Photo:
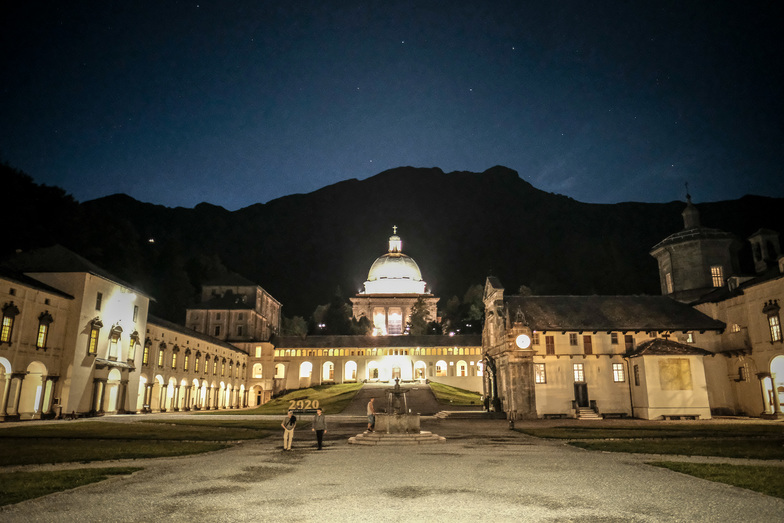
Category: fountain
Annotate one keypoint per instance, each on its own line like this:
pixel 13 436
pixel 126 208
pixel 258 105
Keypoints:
pixel 397 419
pixel 397 426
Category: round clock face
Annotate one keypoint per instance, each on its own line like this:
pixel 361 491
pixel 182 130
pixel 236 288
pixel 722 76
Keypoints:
pixel 523 341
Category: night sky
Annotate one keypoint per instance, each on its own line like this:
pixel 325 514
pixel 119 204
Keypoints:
pixel 236 103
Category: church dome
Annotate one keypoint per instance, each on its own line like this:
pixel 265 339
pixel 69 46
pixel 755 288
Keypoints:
pixel 394 272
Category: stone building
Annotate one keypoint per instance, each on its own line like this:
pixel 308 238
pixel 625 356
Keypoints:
pixel 71 337
pixel 583 356
pixel 393 286
pixel 711 345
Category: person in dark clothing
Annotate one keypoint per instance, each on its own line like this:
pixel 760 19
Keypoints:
pixel 319 426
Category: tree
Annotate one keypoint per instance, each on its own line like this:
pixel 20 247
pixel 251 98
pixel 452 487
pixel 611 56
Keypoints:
pixel 296 326
pixel 420 317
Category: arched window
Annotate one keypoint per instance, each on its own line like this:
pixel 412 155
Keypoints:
pixel 132 346
pixel 44 320
pixel 351 370
pixel 257 370
pixel 280 371
pixel 186 359
pixel 161 352
pixel 175 351
pixel 306 369
pixel 215 366
pixel 441 368
pixel 328 371
pixel 771 309
pixel 10 311
pixel 196 363
pixel 462 368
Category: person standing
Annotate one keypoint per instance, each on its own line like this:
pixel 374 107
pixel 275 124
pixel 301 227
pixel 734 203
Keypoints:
pixel 319 426
pixel 288 429
pixel 371 414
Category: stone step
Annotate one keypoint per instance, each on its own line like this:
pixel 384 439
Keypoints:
pixel 379 438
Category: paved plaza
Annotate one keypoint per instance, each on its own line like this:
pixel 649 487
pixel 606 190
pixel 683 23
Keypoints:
pixel 484 472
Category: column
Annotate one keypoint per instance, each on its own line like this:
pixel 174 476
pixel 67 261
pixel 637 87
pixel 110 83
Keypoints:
pixel 38 409
pixel 147 403
pixel 18 392
pixel 122 397
pixel 176 398
pixel 207 397
pixel 776 402
pixel 162 402
pixel 6 391
pixel 49 410
pixel 103 395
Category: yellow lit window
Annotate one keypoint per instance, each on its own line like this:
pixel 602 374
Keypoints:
pixel 40 340
pixel 717 275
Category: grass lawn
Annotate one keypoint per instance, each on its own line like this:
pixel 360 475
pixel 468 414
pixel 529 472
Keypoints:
pixel 755 448
pixel 631 431
pixel 448 395
pixel 767 480
pixel 19 486
pixel 331 398
pixel 86 441
pixel 731 440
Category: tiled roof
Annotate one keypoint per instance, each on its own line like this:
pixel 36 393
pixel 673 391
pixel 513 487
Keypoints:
pixel 665 347
pixel 329 342
pixel 23 279
pixel 60 259
pixel 231 279
pixel 695 233
pixel 608 313
pixel 160 322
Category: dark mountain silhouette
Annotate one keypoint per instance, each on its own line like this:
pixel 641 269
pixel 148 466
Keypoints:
pixel 458 226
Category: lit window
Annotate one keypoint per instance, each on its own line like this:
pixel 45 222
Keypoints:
pixel 689 337
pixel 92 344
pixel 98 300
pixel 579 373
pixel 258 351
pixel 146 354
pixel 717 275
pixel 775 327
pixel 549 342
pixel 223 368
pixel 257 370
pixel 9 315
pixel 160 355
pixel 44 320
pixel 196 364
pixel 618 375
pixel 734 327
pixel 215 366
pixel 185 361
pixel 587 344
pixel 771 309
pixel 539 373
pixel 668 282
pixel 114 342
pixel 462 368
pixel 174 360
pixel 573 339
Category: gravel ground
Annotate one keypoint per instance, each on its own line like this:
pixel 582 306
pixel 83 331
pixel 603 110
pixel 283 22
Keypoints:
pixel 483 472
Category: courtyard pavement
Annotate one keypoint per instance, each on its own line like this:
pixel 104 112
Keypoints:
pixel 484 472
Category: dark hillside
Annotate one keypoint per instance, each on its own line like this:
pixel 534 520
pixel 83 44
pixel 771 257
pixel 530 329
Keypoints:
pixel 458 226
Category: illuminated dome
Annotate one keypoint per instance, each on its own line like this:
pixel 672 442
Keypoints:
pixel 394 272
